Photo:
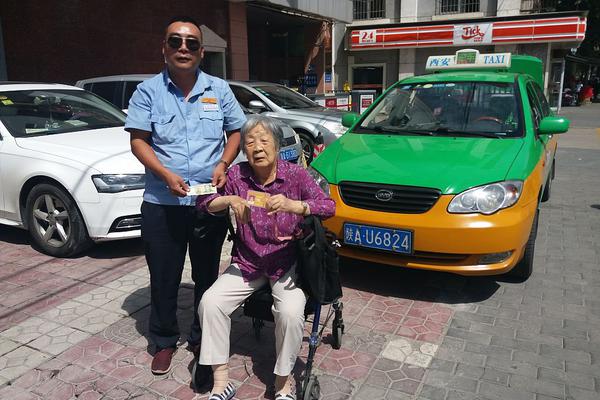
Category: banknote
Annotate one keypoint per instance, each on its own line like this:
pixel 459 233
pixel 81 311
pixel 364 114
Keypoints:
pixel 202 189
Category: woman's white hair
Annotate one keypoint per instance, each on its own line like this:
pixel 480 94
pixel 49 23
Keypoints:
pixel 271 125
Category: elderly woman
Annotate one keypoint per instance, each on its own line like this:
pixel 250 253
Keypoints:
pixel 269 198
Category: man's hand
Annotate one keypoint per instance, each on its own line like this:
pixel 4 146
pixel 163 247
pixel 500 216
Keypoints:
pixel 176 184
pixel 218 177
pixel 240 208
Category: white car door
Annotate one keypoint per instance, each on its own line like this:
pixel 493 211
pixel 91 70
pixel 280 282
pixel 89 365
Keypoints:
pixel 2 138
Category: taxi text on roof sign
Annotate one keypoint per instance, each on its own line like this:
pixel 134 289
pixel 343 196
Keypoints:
pixel 468 58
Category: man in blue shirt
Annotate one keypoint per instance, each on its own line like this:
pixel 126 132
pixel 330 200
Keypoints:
pixel 177 121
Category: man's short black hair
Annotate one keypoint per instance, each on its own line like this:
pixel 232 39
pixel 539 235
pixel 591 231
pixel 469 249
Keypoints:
pixel 185 19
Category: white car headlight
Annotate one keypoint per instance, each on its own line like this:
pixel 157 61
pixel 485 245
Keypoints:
pixel 487 199
pixel 114 183
pixel 335 127
pixel 321 181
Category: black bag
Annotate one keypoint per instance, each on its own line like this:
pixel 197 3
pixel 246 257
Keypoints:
pixel 207 224
pixel 318 265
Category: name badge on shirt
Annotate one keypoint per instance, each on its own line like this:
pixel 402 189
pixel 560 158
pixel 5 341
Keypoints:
pixel 210 107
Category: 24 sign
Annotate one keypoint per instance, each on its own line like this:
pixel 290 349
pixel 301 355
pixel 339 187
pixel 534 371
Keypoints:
pixel 367 36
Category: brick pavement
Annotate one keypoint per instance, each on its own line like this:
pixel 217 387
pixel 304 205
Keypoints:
pixel 75 328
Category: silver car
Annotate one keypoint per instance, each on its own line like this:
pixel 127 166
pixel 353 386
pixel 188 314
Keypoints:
pixel 314 124
pixel 118 89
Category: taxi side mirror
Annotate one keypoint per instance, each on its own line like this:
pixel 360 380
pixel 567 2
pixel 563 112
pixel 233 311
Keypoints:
pixel 553 125
pixel 349 119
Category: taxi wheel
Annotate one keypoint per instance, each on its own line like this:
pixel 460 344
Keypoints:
pixel 524 268
pixel 54 222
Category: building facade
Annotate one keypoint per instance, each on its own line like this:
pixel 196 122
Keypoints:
pixel 391 39
pixel 65 41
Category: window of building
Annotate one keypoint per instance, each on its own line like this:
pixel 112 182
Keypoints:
pixel 368 9
pixel 538 6
pixel 456 6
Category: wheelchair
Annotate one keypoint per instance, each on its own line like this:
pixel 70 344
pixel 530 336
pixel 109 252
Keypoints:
pixel 258 307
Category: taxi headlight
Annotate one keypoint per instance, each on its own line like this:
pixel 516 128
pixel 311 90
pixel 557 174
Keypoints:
pixel 114 183
pixel 487 199
pixel 321 181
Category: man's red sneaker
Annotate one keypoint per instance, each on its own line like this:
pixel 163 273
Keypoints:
pixel 161 363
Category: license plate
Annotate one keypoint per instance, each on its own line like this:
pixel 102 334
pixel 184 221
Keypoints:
pixel 288 154
pixel 394 240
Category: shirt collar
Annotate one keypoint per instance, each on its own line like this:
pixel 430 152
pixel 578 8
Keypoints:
pixel 283 170
pixel 202 82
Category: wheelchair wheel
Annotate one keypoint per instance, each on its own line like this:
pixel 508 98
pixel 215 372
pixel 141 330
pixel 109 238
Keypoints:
pixel 312 391
pixel 337 332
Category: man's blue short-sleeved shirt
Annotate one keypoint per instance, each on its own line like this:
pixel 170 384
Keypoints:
pixel 187 136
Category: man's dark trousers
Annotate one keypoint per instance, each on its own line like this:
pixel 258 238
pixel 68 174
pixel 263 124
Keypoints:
pixel 167 231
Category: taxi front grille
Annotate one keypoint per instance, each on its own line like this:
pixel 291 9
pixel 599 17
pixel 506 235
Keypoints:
pixel 388 198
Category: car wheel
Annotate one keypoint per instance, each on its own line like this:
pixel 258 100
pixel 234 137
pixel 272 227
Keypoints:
pixel 55 224
pixel 524 268
pixel 308 145
pixel 548 187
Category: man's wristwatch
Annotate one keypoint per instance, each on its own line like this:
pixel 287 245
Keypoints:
pixel 224 162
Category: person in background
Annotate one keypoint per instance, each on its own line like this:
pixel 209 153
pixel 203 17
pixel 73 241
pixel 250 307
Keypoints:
pixel 269 198
pixel 176 122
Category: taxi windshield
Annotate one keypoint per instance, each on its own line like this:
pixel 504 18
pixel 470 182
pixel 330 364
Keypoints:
pixel 484 109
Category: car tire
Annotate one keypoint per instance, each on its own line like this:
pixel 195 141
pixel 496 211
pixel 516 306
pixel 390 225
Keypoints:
pixel 54 221
pixel 308 145
pixel 548 186
pixel 524 268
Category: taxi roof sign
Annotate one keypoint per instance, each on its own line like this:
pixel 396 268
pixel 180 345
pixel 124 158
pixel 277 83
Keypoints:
pixel 468 58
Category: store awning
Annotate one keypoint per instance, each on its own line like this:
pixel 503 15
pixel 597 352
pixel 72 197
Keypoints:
pixel 211 41
pixel 582 60
pixel 533 28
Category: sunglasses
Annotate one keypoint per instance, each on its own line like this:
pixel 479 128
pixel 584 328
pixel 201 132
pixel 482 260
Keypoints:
pixel 175 43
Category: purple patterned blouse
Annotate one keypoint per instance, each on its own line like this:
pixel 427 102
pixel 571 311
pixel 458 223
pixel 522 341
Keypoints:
pixel 256 247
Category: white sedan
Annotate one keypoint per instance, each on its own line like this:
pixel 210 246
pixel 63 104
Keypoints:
pixel 66 170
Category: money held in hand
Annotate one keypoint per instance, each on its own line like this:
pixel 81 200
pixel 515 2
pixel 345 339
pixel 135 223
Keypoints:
pixel 202 189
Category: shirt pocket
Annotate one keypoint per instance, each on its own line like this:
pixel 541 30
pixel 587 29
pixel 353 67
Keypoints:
pixel 163 126
pixel 211 125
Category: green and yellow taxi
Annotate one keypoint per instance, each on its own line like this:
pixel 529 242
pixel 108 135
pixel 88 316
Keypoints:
pixel 446 171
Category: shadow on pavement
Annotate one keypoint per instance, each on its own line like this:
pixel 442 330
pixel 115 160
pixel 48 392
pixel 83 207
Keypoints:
pixel 116 249
pixel 103 250
pixel 10 234
pixel 415 284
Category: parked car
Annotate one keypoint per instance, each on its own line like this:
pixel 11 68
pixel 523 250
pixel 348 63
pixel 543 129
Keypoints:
pixel 66 170
pixel 446 171
pixel 314 123
pixel 118 89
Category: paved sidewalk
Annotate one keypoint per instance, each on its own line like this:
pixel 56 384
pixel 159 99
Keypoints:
pixel 76 328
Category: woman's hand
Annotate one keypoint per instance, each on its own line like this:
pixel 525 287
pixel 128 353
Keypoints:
pixel 280 203
pixel 240 207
